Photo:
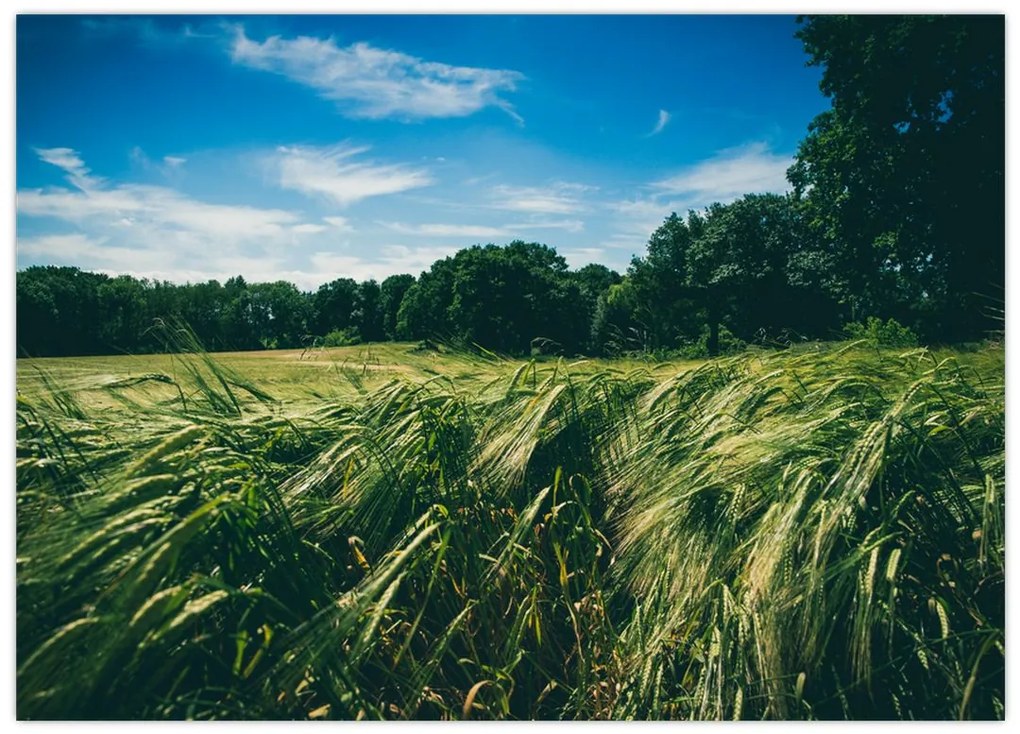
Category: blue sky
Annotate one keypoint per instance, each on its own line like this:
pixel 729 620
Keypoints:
pixel 313 147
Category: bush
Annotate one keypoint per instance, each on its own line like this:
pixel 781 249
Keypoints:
pixel 889 334
pixel 342 337
pixel 728 344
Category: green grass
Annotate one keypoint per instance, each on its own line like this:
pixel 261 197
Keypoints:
pixel 373 532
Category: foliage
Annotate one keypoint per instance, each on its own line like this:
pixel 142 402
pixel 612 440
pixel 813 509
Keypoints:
pixel 342 337
pixel 746 266
pixel 903 178
pixel 889 333
pixel 501 298
pixel 391 295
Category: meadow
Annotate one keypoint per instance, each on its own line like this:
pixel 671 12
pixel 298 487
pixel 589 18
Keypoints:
pixel 392 532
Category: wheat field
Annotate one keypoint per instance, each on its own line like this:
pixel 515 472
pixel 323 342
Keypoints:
pixel 396 533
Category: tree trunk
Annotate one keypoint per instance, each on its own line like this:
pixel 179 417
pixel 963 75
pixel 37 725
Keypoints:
pixel 713 327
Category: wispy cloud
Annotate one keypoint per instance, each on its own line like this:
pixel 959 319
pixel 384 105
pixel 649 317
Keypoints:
pixel 333 173
pixel 308 228
pixel 731 173
pixel 724 177
pixel 341 223
pixel 446 230
pixel 148 229
pixel 556 198
pixel 664 118
pixel 132 205
pixel 78 174
pixel 581 256
pixel 371 82
pixel 391 260
pixel 567 225
pixel 169 164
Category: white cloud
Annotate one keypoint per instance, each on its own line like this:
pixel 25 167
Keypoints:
pixel 392 260
pixel 78 174
pixel 556 198
pixel 663 120
pixel 144 229
pixel 749 169
pixel 332 173
pixel 446 230
pixel 567 225
pixel 308 228
pixel 376 83
pixel 724 177
pixel 169 165
pixel 158 207
pixel 75 248
pixel 341 223
pixel 581 256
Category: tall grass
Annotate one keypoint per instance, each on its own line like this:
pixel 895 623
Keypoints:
pixel 765 536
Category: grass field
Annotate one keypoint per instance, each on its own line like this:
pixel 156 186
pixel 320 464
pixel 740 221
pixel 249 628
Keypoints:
pixel 382 532
pixel 295 378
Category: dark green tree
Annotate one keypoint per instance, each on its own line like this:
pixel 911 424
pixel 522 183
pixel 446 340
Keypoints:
pixel 334 304
pixel 754 270
pixel 594 281
pixel 367 315
pixel 903 179
pixel 666 304
pixel 391 295
pixel 503 298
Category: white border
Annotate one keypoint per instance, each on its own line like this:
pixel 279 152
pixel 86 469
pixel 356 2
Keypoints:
pixel 217 7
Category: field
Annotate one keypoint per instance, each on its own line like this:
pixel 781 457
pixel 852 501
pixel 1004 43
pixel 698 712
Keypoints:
pixel 388 532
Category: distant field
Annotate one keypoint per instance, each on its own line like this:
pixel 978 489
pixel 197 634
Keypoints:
pixel 294 377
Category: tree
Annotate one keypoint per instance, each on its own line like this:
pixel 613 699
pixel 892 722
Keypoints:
pixel 122 319
pixel 666 303
pixel 903 178
pixel 282 313
pixel 391 295
pixel 613 327
pixel 367 315
pixel 754 269
pixel 503 298
pixel 333 306
pixel 58 311
pixel 594 281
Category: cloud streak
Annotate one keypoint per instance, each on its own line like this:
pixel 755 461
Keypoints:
pixel 556 198
pixel 446 230
pixel 333 173
pixel 149 230
pixel 664 118
pixel 375 83
pixel 722 178
pixel 731 173
pixel 68 160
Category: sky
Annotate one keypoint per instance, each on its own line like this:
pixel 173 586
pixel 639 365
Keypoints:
pixel 307 148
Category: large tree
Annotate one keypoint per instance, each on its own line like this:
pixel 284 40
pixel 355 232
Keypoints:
pixel 391 295
pixel 501 297
pixel 665 302
pixel 904 177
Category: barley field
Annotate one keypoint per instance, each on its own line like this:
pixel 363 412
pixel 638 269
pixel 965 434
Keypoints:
pixel 392 532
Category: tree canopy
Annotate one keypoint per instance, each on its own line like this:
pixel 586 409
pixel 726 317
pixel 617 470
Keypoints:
pixel 903 179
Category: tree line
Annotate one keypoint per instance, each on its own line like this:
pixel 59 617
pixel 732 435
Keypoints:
pixel 896 211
